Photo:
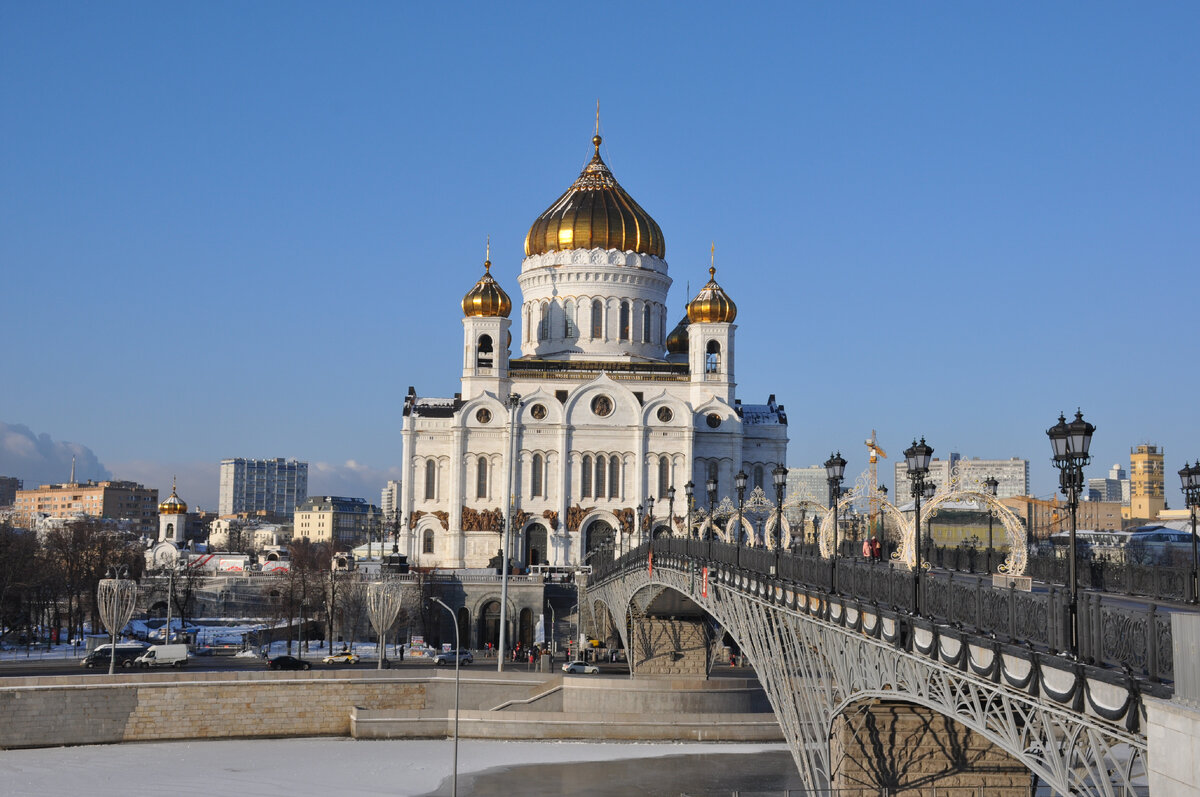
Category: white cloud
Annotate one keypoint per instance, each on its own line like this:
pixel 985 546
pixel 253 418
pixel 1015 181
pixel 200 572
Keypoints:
pixel 351 479
pixel 38 459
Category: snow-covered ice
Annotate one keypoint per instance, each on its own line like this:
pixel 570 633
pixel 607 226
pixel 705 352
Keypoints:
pixel 299 767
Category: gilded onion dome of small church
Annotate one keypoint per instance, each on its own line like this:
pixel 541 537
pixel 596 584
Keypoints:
pixel 595 213
pixel 712 305
pixel 487 298
pixel 174 505
pixel 677 341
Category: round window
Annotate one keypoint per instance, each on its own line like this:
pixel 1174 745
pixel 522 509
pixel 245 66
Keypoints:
pixel 665 415
pixel 602 406
pixel 484 416
pixel 713 420
pixel 538 411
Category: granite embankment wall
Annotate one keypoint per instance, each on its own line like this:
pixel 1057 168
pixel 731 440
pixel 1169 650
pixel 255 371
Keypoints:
pixel 98 709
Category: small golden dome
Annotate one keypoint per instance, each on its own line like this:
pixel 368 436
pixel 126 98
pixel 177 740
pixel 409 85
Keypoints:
pixel 173 505
pixel 712 305
pixel 487 298
pixel 677 341
pixel 595 213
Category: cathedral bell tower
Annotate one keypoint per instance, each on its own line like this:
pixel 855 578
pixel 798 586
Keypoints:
pixel 710 339
pixel 486 336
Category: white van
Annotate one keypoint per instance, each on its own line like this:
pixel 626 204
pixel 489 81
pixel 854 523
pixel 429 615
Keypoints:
pixel 163 656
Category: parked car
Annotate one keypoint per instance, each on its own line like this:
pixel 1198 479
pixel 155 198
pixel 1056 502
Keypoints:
pixel 288 663
pixel 580 667
pixel 342 657
pixel 464 657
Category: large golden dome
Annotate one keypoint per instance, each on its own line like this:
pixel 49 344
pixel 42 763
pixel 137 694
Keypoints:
pixel 487 298
pixel 712 305
pixel 595 213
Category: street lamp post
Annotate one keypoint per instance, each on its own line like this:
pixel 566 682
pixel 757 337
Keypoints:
pixel 711 487
pixel 992 484
pixel 689 491
pixel 115 598
pixel 650 518
pixel 835 470
pixel 916 460
pixel 1070 443
pixel 457 660
pixel 739 483
pixel 514 404
pixel 1191 492
pixel 883 491
pixel 671 510
pixel 779 475
pixel 641 517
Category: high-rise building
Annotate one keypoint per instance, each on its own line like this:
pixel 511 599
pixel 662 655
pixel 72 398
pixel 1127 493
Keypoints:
pixel 275 486
pixel 1111 489
pixel 343 521
pixel 8 489
pixel 118 500
pixel 1012 474
pixel 1147 494
pixel 389 499
pixel 808 484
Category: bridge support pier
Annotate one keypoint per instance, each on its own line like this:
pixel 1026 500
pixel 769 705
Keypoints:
pixel 663 646
pixel 907 749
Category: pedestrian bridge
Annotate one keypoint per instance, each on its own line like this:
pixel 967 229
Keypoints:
pixel 857 676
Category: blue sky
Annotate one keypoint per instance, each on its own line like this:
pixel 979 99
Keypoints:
pixel 243 229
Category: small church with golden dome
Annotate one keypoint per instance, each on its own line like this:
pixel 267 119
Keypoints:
pixel 603 411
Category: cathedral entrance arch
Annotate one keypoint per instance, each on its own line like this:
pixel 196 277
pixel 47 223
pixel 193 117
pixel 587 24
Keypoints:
pixel 599 535
pixel 489 624
pixel 537 552
pixel 525 629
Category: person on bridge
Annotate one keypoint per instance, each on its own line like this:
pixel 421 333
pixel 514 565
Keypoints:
pixel 876 548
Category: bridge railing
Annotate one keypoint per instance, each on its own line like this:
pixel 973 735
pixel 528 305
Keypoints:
pixel 1113 632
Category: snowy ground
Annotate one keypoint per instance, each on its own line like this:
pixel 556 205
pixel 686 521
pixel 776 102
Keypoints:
pixel 299 767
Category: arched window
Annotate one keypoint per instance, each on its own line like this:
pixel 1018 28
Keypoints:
pixel 585 477
pixel 715 477
pixel 597 319
pixel 481 477
pixel 430 480
pixel 171 530
pixel 528 328
pixel 624 321
pixel 712 358
pixel 427 541
pixel 600 468
pixel 664 476
pixel 535 476
pixel 483 352
pixel 662 326
pixel 646 324
pixel 614 476
pixel 569 328
pixel 758 476
pixel 543 321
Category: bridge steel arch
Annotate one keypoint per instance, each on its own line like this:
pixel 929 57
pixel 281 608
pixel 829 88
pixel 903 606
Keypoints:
pixel 816 655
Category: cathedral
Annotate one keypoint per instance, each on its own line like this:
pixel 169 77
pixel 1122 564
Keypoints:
pixel 605 421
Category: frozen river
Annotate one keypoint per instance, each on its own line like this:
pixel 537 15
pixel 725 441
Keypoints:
pixel 302 767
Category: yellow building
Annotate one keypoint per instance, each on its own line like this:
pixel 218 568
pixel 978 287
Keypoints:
pixel 1147 494
pixel 107 499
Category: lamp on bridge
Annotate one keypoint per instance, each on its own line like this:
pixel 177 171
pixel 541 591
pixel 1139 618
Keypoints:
pixel 711 487
pixel 1070 443
pixel 1190 477
pixel 992 485
pixel 689 490
pixel 650 518
pixel 739 483
pixel 835 470
pixel 916 460
pixel 779 476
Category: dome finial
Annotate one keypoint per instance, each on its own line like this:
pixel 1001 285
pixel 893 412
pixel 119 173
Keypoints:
pixel 487 258
pixel 712 261
pixel 596 136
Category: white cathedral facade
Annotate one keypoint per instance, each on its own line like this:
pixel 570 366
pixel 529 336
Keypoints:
pixel 603 412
